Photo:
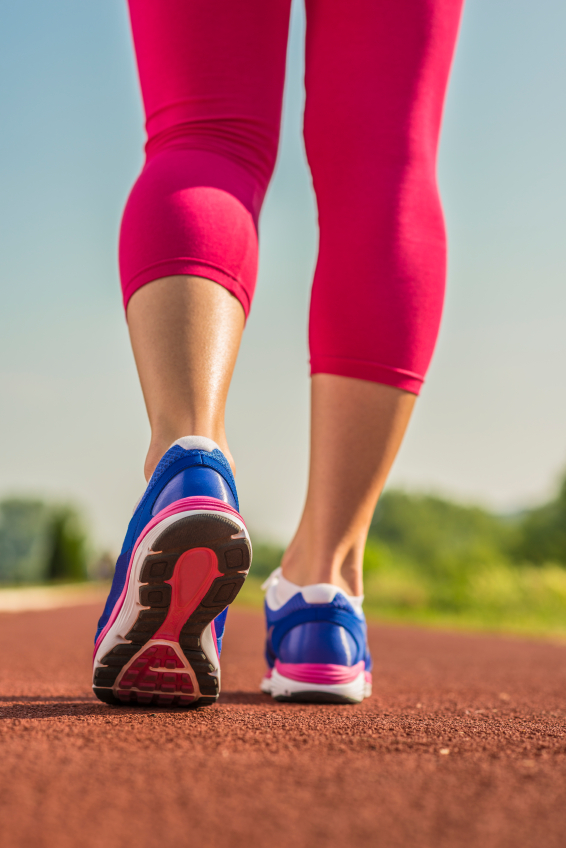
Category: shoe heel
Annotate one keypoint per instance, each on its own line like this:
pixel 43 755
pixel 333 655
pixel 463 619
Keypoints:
pixel 161 648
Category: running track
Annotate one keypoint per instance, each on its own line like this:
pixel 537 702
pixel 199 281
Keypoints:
pixel 248 772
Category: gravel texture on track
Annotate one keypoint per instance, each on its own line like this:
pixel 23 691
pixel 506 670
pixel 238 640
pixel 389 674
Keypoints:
pixel 463 744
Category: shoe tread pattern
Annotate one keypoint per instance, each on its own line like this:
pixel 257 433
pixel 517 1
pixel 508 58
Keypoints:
pixel 199 531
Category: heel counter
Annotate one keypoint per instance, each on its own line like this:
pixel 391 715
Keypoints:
pixel 196 480
pixel 319 642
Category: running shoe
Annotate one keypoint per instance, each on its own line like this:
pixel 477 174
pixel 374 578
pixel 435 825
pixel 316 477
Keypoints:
pixel 316 647
pixel 185 557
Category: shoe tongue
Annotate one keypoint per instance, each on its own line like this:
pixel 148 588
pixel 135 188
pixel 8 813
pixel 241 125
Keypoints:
pixel 196 443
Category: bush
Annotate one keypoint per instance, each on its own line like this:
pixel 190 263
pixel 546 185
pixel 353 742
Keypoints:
pixel 67 546
pixel 266 558
pixel 431 559
pixel 441 536
pixel 499 595
pixel 542 532
pixel 40 542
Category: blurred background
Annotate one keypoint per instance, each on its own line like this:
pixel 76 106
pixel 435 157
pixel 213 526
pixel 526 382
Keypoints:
pixel 473 526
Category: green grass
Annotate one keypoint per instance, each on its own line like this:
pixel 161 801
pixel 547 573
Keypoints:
pixel 496 596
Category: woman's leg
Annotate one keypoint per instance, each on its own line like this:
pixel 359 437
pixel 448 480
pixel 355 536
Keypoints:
pixel 212 82
pixel 356 430
pixel 185 334
pixel 376 76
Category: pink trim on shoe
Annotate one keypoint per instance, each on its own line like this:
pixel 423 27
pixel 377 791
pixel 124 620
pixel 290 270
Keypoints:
pixel 184 505
pixel 320 673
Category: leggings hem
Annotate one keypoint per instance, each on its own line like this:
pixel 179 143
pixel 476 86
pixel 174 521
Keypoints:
pixel 187 267
pixel 374 372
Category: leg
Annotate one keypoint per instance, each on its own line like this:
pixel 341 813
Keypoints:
pixel 371 137
pixel 356 430
pixel 212 82
pixel 185 334
pixel 375 78
pixel 317 652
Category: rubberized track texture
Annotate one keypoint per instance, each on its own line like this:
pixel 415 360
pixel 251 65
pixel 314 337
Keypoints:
pixel 463 745
pixel 163 650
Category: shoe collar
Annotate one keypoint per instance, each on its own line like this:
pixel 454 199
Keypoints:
pixel 279 591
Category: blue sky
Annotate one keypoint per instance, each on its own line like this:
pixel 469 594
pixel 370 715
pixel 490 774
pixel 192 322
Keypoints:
pixel 490 425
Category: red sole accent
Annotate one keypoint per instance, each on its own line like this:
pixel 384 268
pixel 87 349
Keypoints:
pixel 157 671
pixel 195 572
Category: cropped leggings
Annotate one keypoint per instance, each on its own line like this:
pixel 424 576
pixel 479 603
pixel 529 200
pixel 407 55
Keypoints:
pixel 212 74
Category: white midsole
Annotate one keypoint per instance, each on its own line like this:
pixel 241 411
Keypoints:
pixel 279 686
pixel 131 607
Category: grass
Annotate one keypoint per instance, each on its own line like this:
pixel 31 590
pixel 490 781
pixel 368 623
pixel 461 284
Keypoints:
pixel 493 596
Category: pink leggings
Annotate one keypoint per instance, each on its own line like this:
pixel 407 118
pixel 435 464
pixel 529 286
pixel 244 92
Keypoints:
pixel 212 75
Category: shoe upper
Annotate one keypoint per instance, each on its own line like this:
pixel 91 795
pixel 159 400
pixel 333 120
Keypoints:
pixel 323 627
pixel 192 466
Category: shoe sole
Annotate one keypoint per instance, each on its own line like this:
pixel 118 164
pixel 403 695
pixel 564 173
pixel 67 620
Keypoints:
pixel 161 647
pixel 293 691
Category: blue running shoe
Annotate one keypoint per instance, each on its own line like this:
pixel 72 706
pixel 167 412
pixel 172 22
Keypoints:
pixel 316 647
pixel 185 557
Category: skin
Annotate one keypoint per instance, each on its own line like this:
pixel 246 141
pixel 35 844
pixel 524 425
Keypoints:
pixel 185 334
pixel 356 430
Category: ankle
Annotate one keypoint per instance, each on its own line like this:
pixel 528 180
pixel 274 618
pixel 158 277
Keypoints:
pixel 304 566
pixel 160 444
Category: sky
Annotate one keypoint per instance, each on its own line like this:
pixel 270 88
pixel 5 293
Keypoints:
pixel 490 424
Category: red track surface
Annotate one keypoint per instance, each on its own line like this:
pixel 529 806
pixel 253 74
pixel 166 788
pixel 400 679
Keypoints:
pixel 250 772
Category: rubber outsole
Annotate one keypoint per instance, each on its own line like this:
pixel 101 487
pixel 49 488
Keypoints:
pixel 314 698
pixel 175 673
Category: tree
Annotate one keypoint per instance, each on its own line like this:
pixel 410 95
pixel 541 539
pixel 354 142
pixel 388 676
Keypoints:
pixel 40 541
